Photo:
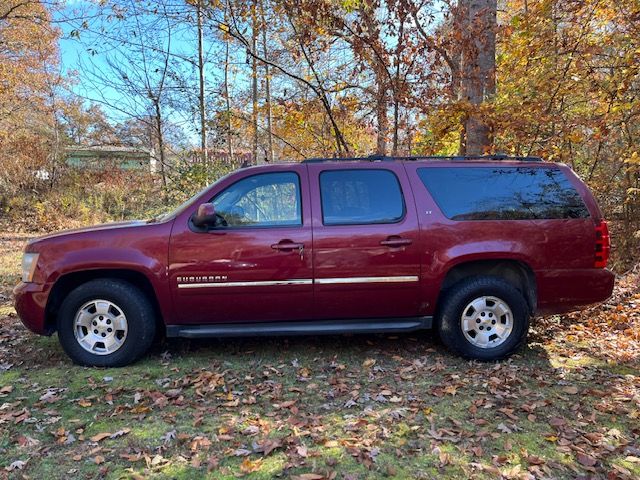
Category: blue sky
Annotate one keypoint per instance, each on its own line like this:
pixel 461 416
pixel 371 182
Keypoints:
pixel 90 49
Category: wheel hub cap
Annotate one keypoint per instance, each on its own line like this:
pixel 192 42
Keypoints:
pixel 487 322
pixel 100 327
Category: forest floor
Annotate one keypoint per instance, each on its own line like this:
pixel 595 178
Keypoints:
pixel 566 406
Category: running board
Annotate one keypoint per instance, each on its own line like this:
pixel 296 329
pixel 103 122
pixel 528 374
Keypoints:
pixel 310 327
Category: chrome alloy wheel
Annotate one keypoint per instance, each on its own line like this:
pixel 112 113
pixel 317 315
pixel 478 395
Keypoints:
pixel 486 322
pixel 100 327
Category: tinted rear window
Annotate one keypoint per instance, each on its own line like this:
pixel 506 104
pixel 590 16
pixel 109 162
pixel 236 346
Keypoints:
pixel 357 197
pixel 503 193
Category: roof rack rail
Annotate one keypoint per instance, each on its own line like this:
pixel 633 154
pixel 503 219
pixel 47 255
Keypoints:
pixel 453 158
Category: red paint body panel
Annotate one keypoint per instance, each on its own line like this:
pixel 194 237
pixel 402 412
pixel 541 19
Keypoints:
pixel 30 304
pixel 560 253
pixel 562 290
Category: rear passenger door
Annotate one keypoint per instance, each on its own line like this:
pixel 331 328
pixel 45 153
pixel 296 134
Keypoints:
pixel 365 241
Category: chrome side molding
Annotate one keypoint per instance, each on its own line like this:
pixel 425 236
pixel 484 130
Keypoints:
pixel 305 281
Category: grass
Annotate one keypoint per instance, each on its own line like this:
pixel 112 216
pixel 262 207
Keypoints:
pixel 350 407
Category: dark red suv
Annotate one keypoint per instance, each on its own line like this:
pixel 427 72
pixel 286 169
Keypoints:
pixel 473 247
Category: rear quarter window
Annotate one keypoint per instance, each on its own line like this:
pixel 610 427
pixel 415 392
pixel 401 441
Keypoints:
pixel 503 193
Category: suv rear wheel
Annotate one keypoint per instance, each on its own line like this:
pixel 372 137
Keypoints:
pixel 106 323
pixel 484 318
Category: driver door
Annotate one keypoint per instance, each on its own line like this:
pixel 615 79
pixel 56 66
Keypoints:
pixel 256 264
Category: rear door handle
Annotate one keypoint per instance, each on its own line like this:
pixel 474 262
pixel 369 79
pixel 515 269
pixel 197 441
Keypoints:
pixel 396 242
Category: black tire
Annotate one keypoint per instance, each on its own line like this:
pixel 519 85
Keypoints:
pixel 458 297
pixel 133 303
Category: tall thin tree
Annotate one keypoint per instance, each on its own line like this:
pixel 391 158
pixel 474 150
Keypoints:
pixel 478 86
pixel 254 82
pixel 227 97
pixel 201 81
pixel 267 84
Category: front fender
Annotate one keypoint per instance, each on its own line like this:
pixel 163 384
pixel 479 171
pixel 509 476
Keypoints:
pixel 142 249
pixel 104 258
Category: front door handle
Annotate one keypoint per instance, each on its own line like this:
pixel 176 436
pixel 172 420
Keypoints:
pixel 396 242
pixel 287 245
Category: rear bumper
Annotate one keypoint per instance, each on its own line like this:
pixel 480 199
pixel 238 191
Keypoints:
pixel 561 291
pixel 30 304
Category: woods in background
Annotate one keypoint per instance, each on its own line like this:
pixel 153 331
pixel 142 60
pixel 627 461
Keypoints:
pixel 206 85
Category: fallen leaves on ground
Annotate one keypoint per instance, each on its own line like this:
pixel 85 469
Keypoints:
pixel 335 407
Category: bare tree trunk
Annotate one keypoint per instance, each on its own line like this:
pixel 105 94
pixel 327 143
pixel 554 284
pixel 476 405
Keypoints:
pixel 254 83
pixel 201 97
pixel 227 99
pixel 396 114
pixel 160 140
pixel 478 72
pixel 409 135
pixel 396 87
pixel 381 115
pixel 396 106
pixel 267 85
pixel 383 80
pixel 55 154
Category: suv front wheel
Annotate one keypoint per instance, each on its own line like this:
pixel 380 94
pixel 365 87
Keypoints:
pixel 106 323
pixel 483 318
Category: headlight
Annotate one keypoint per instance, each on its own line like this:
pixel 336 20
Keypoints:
pixel 29 262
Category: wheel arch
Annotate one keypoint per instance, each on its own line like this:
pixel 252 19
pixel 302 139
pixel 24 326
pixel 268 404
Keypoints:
pixel 69 281
pixel 516 272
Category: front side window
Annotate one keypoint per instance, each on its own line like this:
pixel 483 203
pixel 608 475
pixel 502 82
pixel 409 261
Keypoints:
pixel 263 200
pixel 358 197
pixel 503 193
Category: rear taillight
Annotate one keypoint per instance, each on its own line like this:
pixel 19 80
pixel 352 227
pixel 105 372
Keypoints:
pixel 603 245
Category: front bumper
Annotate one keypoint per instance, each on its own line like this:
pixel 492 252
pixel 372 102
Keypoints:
pixel 30 304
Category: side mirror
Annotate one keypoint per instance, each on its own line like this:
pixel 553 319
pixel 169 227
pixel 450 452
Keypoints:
pixel 205 216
